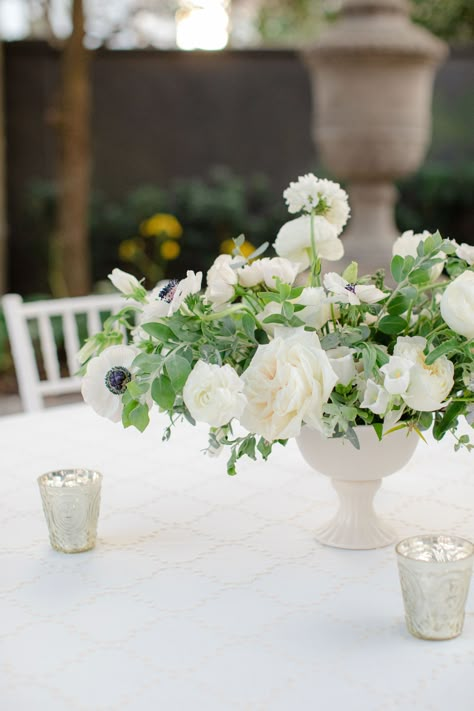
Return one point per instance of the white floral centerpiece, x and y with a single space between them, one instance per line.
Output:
270 345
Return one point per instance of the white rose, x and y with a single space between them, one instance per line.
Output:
396 374
376 398
213 394
429 385
407 244
286 384
280 268
342 362
457 304
221 279
466 252
294 240
126 283
317 311
250 274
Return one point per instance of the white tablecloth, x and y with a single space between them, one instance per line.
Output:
207 592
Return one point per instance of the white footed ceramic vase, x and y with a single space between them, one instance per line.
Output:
356 474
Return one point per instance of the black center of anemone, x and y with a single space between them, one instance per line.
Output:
168 291
350 287
116 379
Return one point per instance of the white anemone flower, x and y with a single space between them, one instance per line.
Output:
354 294
106 380
173 294
294 240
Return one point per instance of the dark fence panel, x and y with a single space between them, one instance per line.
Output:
161 115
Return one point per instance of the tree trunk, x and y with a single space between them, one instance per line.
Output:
3 202
70 264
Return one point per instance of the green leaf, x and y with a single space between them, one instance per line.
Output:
398 305
162 392
147 362
249 325
276 318
178 370
126 412
331 340
352 437
392 325
139 417
378 427
451 345
429 245
159 331
408 265
397 268
441 426
136 388
419 276
288 310
409 292
350 272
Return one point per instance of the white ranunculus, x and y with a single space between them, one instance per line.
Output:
457 304
126 283
429 385
376 398
396 375
250 274
106 380
466 252
294 240
287 383
221 280
407 244
302 194
280 268
213 394
355 294
342 362
317 311
337 202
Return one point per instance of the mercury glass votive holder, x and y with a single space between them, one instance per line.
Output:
435 573
71 502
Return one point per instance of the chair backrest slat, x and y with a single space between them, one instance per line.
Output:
94 324
48 347
18 314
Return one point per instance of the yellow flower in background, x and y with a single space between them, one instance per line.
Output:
228 245
169 250
161 223
129 248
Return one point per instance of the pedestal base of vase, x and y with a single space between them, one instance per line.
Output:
356 474
356 525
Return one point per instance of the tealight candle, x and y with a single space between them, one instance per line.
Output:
71 502
435 572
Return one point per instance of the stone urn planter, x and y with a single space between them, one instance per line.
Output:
356 475
372 76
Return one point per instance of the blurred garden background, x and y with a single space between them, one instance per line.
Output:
146 134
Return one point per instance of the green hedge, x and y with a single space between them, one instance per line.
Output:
224 206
